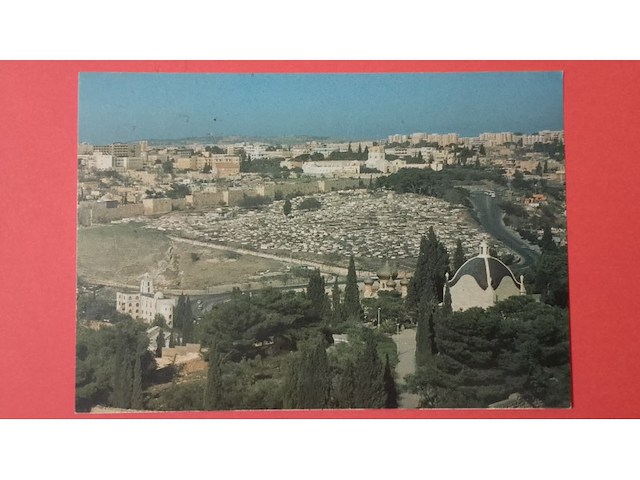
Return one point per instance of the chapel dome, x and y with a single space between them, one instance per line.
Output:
485 269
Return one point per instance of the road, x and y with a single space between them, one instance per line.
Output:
490 216
406 343
324 268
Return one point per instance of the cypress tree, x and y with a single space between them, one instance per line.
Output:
159 343
352 309
458 256
179 313
446 304
316 294
120 394
369 391
423 342
390 386
547 243
335 302
438 261
213 392
136 393
314 378
308 379
292 374
420 275
187 323
286 209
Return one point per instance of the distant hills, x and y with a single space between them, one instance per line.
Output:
290 140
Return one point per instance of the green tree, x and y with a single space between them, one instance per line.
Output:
422 342
310 203
458 256
130 358
517 346
179 312
286 209
551 279
429 276
317 295
352 309
308 380
159 343
137 402
187 323
214 395
390 388
336 306
167 166
547 243
539 169
369 386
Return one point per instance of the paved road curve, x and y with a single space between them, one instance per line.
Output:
406 343
490 216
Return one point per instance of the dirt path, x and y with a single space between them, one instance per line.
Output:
406 342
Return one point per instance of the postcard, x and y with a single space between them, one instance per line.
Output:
321 241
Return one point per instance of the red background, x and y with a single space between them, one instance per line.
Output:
38 141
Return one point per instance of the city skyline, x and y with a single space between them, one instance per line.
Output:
124 107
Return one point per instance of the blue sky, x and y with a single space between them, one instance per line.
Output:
121 107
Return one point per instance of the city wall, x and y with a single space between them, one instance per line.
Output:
96 212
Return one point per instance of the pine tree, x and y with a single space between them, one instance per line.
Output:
213 395
352 310
390 386
458 256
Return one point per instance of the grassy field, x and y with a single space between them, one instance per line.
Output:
122 253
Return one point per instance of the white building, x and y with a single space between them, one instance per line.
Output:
102 161
146 304
337 167
376 159
482 281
